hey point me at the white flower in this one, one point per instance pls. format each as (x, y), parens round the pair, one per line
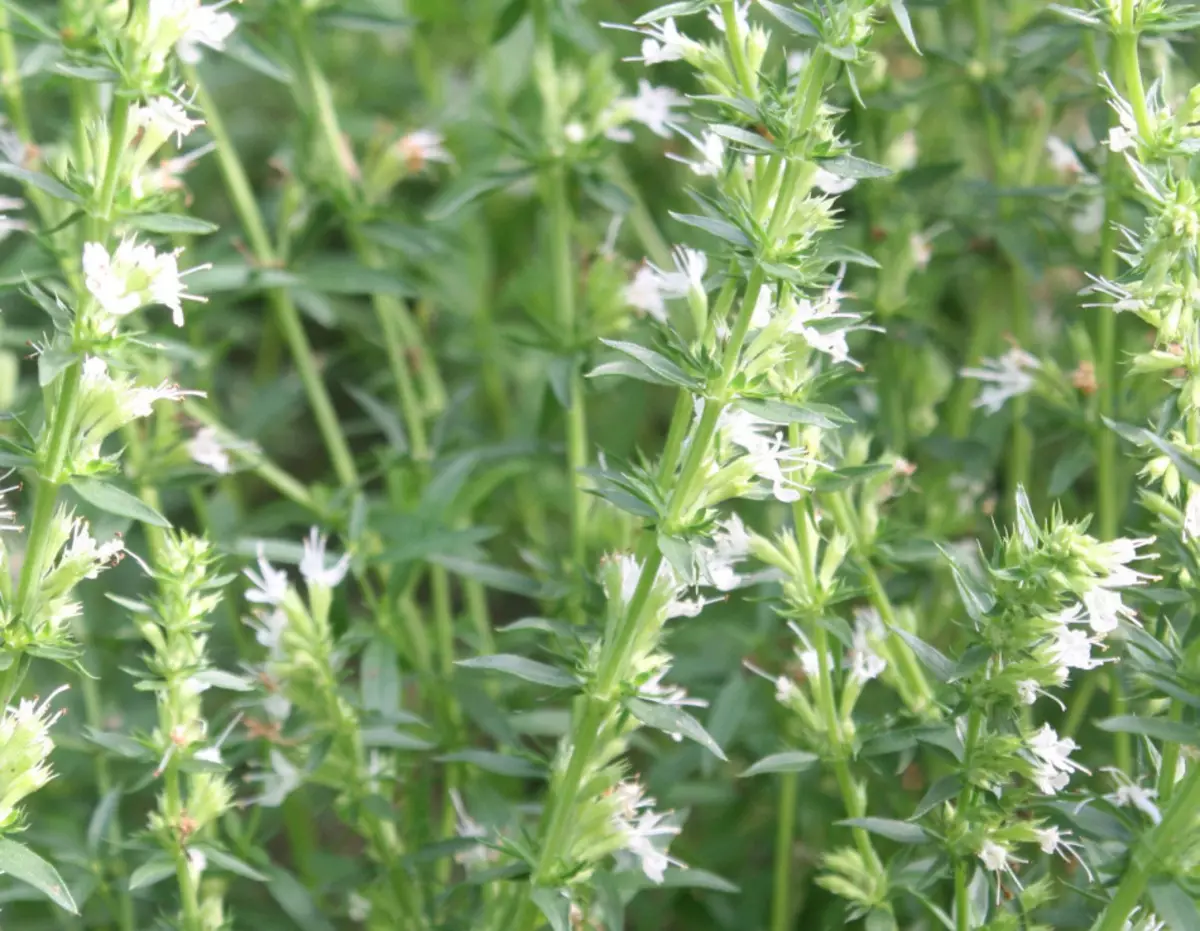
(644, 293)
(270, 584)
(741, 12)
(205, 449)
(135, 276)
(1053, 760)
(639, 829)
(1129, 793)
(1027, 691)
(282, 779)
(205, 25)
(830, 183)
(420, 148)
(1191, 517)
(690, 267)
(832, 343)
(731, 544)
(862, 660)
(1148, 922)
(1089, 218)
(312, 563)
(993, 855)
(712, 154)
(921, 249)
(197, 862)
(9, 225)
(1105, 609)
(1062, 157)
(662, 42)
(1005, 378)
(766, 451)
(358, 907)
(764, 309)
(785, 688)
(160, 118)
(1114, 557)
(575, 132)
(1121, 138)
(810, 660)
(1071, 648)
(653, 107)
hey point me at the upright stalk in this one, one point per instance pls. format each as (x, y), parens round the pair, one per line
(286, 314)
(562, 275)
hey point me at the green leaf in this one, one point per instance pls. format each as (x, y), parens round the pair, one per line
(851, 166)
(528, 669)
(676, 878)
(785, 412)
(672, 720)
(900, 12)
(931, 658)
(509, 17)
(503, 580)
(1175, 906)
(555, 905)
(790, 761)
(120, 744)
(171, 223)
(154, 870)
(792, 18)
(848, 476)
(500, 763)
(346, 275)
(657, 363)
(379, 678)
(943, 790)
(230, 863)
(21, 863)
(900, 831)
(114, 500)
(384, 417)
(294, 899)
(383, 736)
(714, 226)
(1157, 728)
(51, 186)
(102, 816)
(456, 196)
(242, 50)
(678, 8)
(1186, 465)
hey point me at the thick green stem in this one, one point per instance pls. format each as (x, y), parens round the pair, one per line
(286, 314)
(189, 900)
(785, 841)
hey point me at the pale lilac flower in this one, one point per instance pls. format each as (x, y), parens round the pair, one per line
(312, 563)
(1006, 377)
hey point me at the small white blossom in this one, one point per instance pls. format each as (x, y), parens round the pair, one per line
(764, 309)
(160, 118)
(1115, 556)
(270, 584)
(1129, 793)
(766, 450)
(1071, 648)
(358, 907)
(1104, 609)
(830, 183)
(1062, 157)
(920, 247)
(864, 663)
(204, 26)
(644, 293)
(134, 276)
(741, 13)
(653, 107)
(420, 148)
(205, 449)
(640, 829)
(1191, 517)
(10, 225)
(712, 155)
(661, 42)
(731, 544)
(312, 563)
(1027, 691)
(1052, 755)
(1006, 377)
(278, 783)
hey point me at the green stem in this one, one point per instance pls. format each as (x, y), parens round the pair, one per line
(962, 904)
(1170, 758)
(737, 52)
(1150, 850)
(188, 898)
(1126, 39)
(917, 691)
(785, 833)
(286, 314)
(118, 127)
